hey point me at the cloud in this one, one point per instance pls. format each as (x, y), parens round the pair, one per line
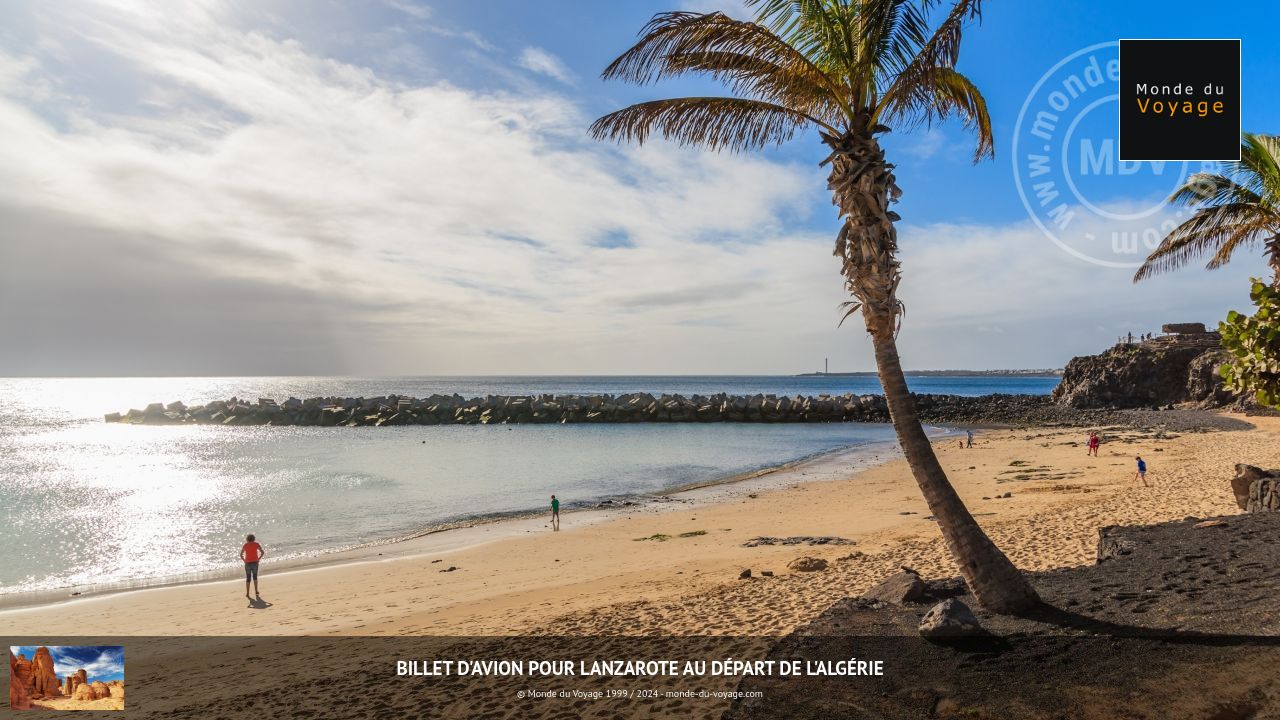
(412, 9)
(1006, 296)
(544, 63)
(191, 194)
(246, 188)
(100, 663)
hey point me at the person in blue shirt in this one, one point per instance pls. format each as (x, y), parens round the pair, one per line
(1142, 471)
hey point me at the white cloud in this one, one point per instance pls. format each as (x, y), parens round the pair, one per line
(106, 663)
(412, 9)
(544, 63)
(199, 196)
(468, 224)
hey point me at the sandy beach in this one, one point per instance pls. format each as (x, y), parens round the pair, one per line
(675, 569)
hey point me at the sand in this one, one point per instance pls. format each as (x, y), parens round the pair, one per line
(597, 577)
(64, 703)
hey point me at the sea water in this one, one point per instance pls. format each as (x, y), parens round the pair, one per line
(83, 502)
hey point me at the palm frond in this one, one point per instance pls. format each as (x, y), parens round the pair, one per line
(941, 50)
(823, 30)
(943, 47)
(748, 76)
(1207, 231)
(1243, 236)
(1212, 189)
(746, 55)
(1259, 165)
(733, 124)
(900, 44)
(939, 93)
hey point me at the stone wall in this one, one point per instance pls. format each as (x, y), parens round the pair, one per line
(395, 410)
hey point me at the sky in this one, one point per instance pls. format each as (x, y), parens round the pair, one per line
(403, 187)
(101, 663)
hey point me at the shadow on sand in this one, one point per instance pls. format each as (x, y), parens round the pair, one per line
(1050, 615)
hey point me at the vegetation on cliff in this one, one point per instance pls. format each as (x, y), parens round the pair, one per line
(1253, 345)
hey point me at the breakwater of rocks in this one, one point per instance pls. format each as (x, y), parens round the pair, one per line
(395, 410)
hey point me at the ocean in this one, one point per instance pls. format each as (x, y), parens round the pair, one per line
(84, 503)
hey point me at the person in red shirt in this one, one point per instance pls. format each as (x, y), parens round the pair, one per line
(251, 552)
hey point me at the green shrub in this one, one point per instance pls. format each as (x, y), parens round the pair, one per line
(1253, 342)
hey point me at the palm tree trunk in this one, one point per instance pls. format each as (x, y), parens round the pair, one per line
(997, 584)
(863, 185)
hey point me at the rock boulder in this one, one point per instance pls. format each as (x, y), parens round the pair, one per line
(899, 589)
(807, 564)
(19, 699)
(1205, 387)
(1113, 544)
(44, 680)
(950, 619)
(20, 672)
(1255, 489)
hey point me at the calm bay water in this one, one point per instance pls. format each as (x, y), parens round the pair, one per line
(85, 502)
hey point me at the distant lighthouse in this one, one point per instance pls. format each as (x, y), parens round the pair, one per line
(826, 366)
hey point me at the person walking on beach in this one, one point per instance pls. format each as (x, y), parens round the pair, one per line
(1094, 442)
(969, 433)
(555, 513)
(1142, 471)
(251, 553)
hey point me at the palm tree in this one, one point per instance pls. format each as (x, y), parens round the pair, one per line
(1239, 207)
(849, 69)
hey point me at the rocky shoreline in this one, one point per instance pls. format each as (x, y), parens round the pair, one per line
(399, 410)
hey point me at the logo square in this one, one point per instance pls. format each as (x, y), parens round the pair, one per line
(1180, 100)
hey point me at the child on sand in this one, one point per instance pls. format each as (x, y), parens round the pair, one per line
(1142, 471)
(555, 513)
(1094, 442)
(251, 553)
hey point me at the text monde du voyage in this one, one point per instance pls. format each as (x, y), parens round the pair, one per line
(1180, 99)
(638, 668)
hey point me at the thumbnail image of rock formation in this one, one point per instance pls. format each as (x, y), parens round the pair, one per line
(34, 684)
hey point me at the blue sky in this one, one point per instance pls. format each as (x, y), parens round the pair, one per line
(100, 662)
(405, 187)
(1005, 55)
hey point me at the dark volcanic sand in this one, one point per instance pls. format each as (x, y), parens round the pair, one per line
(1186, 625)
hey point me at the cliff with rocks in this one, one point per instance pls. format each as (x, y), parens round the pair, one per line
(1178, 367)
